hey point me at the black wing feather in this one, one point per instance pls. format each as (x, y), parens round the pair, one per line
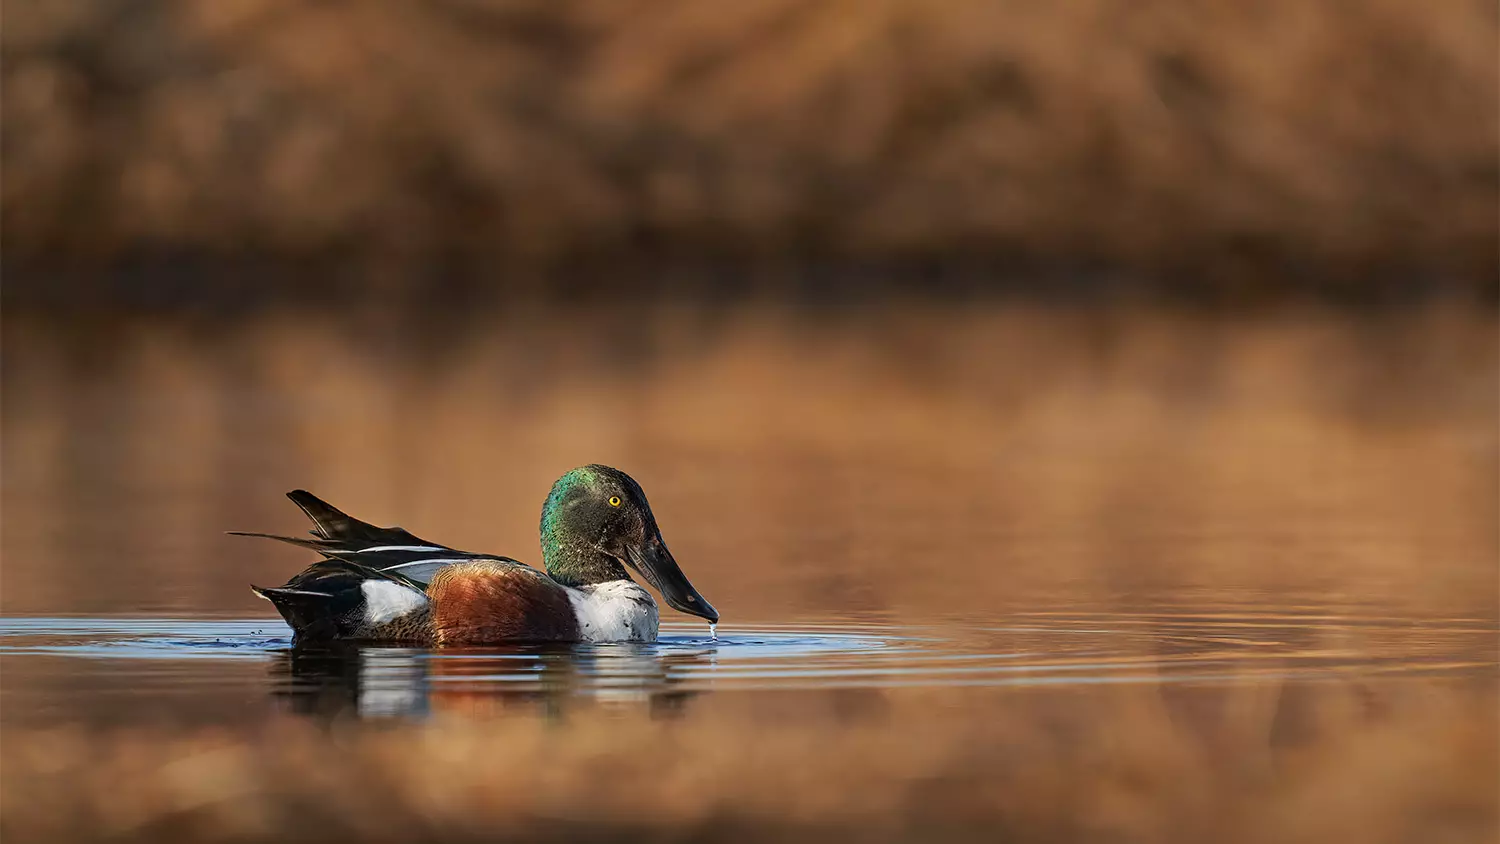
(332, 523)
(339, 536)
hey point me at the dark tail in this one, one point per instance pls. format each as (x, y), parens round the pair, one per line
(325, 600)
(312, 616)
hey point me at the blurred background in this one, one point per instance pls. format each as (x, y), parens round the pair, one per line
(899, 311)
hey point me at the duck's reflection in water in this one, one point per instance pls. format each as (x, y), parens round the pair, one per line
(384, 682)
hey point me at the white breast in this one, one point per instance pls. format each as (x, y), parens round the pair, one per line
(617, 611)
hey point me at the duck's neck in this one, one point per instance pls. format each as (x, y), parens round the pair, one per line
(574, 563)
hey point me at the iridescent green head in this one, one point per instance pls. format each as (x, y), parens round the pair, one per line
(597, 523)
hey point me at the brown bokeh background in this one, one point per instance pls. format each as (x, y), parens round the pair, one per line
(1275, 146)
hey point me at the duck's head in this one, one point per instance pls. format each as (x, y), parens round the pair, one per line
(596, 522)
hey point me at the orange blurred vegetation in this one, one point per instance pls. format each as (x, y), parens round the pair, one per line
(1305, 137)
(1388, 762)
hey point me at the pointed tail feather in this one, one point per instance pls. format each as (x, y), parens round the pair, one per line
(348, 532)
(330, 522)
(334, 548)
(337, 532)
(323, 545)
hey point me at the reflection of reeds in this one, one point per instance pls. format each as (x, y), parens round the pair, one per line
(912, 460)
(1389, 763)
(1301, 133)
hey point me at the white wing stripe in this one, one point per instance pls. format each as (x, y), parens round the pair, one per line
(397, 548)
(432, 562)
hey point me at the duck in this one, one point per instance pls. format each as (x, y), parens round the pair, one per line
(377, 584)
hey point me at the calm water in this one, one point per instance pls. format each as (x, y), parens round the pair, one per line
(224, 669)
(1104, 577)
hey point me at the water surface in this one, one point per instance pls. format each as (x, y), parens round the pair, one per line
(120, 668)
(1122, 576)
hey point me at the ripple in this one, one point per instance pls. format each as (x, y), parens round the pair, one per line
(1026, 649)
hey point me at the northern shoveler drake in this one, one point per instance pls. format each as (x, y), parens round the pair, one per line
(385, 584)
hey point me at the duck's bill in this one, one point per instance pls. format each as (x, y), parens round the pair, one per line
(656, 564)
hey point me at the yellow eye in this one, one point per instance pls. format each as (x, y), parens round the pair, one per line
(614, 501)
